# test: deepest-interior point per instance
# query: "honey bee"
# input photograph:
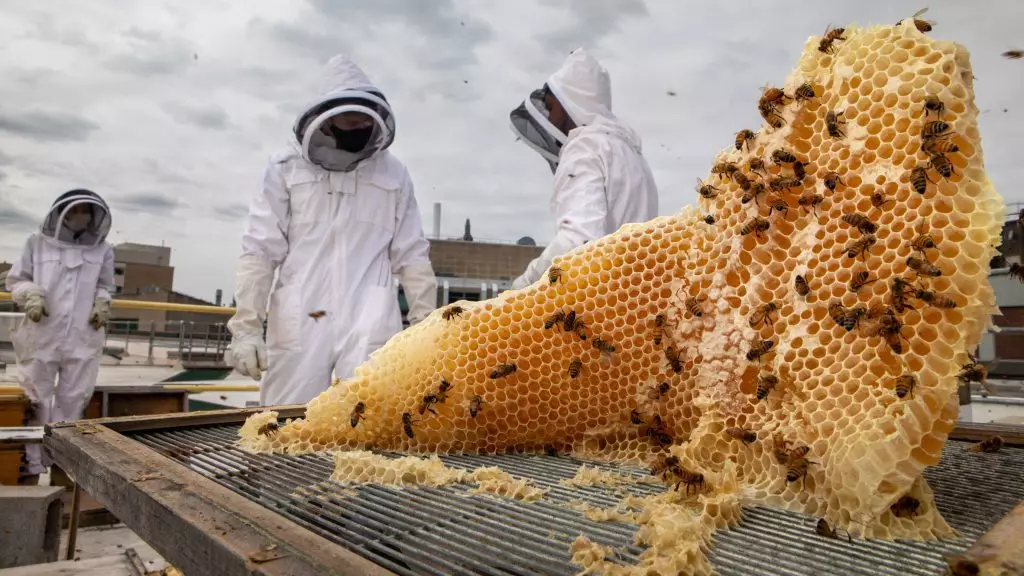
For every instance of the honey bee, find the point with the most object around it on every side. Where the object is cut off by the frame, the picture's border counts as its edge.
(692, 305)
(859, 280)
(804, 92)
(550, 451)
(922, 243)
(575, 367)
(919, 179)
(853, 317)
(744, 137)
(942, 165)
(759, 348)
(452, 311)
(672, 355)
(659, 391)
(832, 123)
(555, 274)
(899, 289)
(752, 192)
(905, 506)
(706, 190)
(772, 118)
(800, 283)
(780, 447)
(474, 405)
(763, 314)
(357, 413)
(669, 465)
(1017, 271)
(603, 347)
(934, 104)
(905, 384)
(709, 219)
(923, 267)
(316, 315)
(757, 165)
(407, 424)
(936, 299)
(990, 446)
(503, 370)
(937, 146)
(636, 418)
(746, 435)
(773, 97)
(934, 129)
(1014, 54)
(796, 467)
(570, 323)
(888, 327)
(659, 329)
(823, 529)
(973, 371)
(268, 429)
(556, 318)
(724, 169)
(799, 170)
(830, 36)
(861, 222)
(442, 391)
(860, 247)
(783, 156)
(879, 200)
(657, 433)
(766, 384)
(757, 225)
(811, 201)
(923, 26)
(962, 566)
(426, 404)
(689, 479)
(780, 183)
(741, 179)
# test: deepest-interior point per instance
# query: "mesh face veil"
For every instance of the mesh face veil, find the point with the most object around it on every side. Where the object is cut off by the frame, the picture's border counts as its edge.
(336, 153)
(529, 121)
(69, 225)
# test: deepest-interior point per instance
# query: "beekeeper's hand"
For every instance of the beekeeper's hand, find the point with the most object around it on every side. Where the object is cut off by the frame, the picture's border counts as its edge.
(248, 357)
(35, 305)
(100, 314)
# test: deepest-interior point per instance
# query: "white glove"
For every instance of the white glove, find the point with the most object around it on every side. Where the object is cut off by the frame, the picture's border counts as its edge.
(536, 269)
(420, 286)
(100, 314)
(248, 357)
(35, 305)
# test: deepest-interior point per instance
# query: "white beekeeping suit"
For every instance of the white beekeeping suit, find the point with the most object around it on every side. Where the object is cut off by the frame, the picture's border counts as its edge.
(335, 219)
(63, 281)
(601, 178)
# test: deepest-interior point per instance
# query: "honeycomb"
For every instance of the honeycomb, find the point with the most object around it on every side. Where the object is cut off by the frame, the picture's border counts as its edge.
(796, 340)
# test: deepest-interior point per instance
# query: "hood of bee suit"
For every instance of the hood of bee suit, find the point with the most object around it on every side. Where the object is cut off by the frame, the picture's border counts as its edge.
(85, 229)
(582, 85)
(344, 88)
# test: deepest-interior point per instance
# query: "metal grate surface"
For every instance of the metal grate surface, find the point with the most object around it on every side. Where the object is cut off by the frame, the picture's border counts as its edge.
(448, 530)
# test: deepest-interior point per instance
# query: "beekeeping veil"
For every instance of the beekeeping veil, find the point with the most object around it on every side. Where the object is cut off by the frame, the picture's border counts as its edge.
(346, 89)
(582, 86)
(84, 228)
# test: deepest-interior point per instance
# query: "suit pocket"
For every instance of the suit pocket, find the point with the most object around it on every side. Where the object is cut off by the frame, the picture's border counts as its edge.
(283, 320)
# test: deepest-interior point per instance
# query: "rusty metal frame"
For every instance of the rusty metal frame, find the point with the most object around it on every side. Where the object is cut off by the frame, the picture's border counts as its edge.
(203, 528)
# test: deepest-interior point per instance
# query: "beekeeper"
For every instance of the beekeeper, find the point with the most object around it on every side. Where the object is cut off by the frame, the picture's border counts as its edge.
(63, 282)
(601, 178)
(335, 219)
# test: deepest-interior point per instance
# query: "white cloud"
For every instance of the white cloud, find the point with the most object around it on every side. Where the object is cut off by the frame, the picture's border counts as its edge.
(170, 110)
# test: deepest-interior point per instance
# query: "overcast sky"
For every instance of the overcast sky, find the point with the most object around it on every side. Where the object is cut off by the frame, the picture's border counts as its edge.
(170, 109)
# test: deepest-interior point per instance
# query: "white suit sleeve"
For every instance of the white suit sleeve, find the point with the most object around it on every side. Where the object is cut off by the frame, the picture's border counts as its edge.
(20, 280)
(579, 204)
(105, 284)
(410, 256)
(264, 247)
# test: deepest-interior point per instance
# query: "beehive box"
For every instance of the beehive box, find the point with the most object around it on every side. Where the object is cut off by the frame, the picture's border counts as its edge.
(13, 404)
(796, 340)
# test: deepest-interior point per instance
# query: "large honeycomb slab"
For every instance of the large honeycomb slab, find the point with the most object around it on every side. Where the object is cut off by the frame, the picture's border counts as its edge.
(831, 401)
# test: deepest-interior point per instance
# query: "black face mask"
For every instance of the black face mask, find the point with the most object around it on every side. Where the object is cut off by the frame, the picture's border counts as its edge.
(351, 140)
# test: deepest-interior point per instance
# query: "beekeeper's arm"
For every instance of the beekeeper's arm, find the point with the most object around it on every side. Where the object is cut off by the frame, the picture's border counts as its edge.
(410, 256)
(579, 204)
(21, 283)
(264, 247)
(104, 286)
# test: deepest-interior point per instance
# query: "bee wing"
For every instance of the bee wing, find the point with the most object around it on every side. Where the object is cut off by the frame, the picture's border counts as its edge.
(919, 12)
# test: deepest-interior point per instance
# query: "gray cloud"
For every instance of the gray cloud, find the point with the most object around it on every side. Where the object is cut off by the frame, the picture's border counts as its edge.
(152, 54)
(209, 116)
(46, 126)
(5, 160)
(300, 38)
(146, 202)
(231, 212)
(590, 21)
(14, 219)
